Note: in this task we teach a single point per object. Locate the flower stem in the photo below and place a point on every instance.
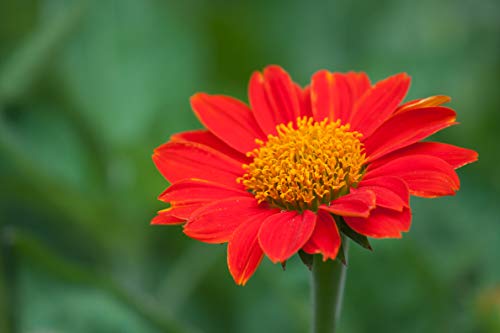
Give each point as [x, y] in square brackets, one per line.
[328, 281]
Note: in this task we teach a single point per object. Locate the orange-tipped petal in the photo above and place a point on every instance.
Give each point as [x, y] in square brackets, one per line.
[284, 233]
[229, 119]
[243, 251]
[273, 97]
[407, 128]
[216, 222]
[325, 238]
[455, 156]
[423, 103]
[206, 138]
[357, 203]
[183, 160]
[379, 103]
[426, 176]
[382, 223]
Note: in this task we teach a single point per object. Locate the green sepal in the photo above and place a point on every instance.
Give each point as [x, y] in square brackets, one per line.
[346, 230]
[341, 255]
[307, 259]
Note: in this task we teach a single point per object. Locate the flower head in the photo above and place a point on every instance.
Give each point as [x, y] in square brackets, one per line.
[285, 173]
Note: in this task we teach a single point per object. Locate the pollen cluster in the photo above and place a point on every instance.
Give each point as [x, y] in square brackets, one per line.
[306, 164]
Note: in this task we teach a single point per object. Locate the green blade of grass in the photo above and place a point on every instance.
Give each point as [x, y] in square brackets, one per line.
[38, 254]
[25, 64]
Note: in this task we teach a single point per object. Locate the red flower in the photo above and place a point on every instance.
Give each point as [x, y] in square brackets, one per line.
[283, 174]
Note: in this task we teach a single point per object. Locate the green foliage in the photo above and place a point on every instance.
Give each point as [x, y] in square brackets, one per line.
[89, 88]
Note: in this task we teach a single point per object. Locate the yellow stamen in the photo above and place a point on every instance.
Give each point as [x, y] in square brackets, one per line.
[305, 165]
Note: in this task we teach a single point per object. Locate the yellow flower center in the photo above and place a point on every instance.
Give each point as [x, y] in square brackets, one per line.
[305, 165]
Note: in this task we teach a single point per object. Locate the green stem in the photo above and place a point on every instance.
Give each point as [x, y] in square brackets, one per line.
[328, 281]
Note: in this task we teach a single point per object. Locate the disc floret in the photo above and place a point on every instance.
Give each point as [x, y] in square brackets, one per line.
[306, 164]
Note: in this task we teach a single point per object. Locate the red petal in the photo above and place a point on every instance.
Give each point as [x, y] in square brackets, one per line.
[284, 233]
[206, 138]
[426, 176]
[392, 184]
[406, 128]
[182, 160]
[273, 97]
[386, 198]
[243, 251]
[184, 211]
[357, 84]
[165, 217]
[382, 223]
[333, 94]
[423, 103]
[229, 119]
[453, 155]
[325, 238]
[188, 195]
[379, 103]
[322, 95]
[195, 190]
[305, 100]
[357, 203]
[216, 222]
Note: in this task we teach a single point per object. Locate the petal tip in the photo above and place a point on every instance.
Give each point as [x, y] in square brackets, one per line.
[274, 68]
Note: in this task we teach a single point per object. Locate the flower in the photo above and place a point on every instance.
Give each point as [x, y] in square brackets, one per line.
[285, 173]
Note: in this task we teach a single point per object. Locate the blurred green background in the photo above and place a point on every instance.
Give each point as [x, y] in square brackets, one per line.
[89, 88]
